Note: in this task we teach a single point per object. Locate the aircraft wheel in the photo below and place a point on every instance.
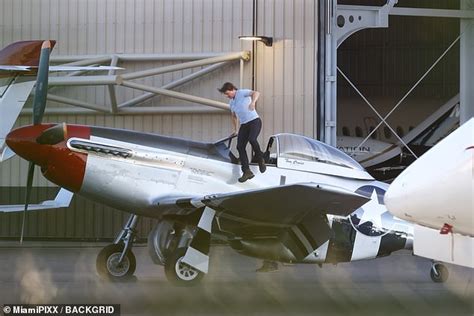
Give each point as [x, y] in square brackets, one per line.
[439, 273]
[107, 263]
[178, 272]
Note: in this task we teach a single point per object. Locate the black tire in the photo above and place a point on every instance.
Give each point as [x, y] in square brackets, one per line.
[439, 273]
[108, 270]
[181, 274]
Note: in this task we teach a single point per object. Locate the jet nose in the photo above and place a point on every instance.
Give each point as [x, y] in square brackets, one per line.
[23, 141]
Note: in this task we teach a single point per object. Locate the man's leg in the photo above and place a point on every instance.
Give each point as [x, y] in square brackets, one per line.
[242, 140]
[255, 128]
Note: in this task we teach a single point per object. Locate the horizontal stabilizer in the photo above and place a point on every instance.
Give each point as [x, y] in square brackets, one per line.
[63, 199]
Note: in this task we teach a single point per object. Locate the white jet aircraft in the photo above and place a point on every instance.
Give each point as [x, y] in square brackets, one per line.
[437, 193]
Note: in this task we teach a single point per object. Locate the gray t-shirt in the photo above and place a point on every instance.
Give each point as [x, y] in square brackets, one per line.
[240, 106]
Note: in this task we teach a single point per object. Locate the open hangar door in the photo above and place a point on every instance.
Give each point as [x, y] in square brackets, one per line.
[392, 60]
[384, 64]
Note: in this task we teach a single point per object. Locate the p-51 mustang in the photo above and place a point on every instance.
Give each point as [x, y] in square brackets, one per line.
[314, 204]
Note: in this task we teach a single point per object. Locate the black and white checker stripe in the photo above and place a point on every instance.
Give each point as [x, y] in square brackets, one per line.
[197, 255]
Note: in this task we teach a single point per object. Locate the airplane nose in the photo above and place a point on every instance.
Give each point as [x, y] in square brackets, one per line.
[23, 141]
[45, 145]
[437, 188]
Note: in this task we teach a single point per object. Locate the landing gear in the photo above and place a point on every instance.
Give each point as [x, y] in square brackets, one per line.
[439, 273]
[167, 244]
[178, 272]
[110, 267]
[117, 262]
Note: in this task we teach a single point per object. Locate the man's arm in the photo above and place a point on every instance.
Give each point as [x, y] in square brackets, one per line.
[235, 123]
[254, 95]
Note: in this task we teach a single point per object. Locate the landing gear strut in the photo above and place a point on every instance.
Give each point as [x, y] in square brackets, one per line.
[117, 262]
[439, 273]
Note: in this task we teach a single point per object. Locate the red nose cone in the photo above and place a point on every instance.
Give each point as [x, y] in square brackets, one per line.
[58, 164]
[23, 142]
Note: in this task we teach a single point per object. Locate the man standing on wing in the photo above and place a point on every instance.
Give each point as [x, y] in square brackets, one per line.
[242, 107]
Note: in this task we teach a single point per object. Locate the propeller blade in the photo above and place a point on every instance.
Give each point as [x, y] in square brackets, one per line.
[29, 184]
[39, 102]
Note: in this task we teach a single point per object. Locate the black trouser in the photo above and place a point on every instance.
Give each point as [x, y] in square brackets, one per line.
[248, 132]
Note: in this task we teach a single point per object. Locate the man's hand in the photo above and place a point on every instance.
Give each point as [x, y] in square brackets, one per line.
[252, 106]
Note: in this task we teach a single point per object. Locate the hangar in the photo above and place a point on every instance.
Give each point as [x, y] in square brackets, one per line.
[198, 44]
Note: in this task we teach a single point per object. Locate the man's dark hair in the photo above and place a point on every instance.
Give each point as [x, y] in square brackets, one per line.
[228, 86]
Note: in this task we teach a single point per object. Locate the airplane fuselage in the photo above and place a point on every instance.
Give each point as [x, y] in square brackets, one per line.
[141, 173]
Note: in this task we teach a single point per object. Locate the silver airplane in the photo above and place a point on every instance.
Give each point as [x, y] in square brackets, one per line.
[314, 204]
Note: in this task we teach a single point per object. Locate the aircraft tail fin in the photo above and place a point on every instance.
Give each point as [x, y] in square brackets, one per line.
[23, 53]
[13, 95]
[435, 127]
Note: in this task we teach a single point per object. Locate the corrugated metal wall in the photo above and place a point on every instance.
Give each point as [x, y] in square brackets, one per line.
[284, 75]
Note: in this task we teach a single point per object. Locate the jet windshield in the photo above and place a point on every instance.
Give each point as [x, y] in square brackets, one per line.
[304, 148]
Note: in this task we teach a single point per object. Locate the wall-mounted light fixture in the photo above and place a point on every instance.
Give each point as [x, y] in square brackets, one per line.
[268, 41]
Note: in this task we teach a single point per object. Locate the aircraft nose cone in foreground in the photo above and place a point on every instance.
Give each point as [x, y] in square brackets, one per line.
[23, 141]
[438, 188]
[45, 146]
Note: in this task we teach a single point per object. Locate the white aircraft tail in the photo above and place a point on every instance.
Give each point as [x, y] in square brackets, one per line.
[15, 88]
[62, 199]
[12, 99]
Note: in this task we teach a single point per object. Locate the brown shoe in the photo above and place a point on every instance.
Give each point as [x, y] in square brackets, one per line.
[246, 176]
[262, 166]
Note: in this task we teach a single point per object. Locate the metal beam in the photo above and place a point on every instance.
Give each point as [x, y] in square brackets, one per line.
[435, 13]
[438, 13]
[178, 109]
[87, 61]
[111, 88]
[351, 19]
[82, 104]
[466, 64]
[82, 81]
[173, 84]
[181, 66]
[133, 57]
[177, 95]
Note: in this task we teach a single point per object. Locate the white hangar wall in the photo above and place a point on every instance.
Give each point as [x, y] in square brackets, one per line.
[284, 73]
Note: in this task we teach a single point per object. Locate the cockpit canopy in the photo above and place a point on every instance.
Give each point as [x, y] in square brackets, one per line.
[299, 152]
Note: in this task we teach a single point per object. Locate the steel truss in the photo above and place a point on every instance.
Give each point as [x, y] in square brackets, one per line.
[210, 62]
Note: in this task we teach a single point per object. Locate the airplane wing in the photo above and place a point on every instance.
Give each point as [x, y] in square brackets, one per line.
[14, 68]
[63, 199]
[295, 214]
[286, 204]
[280, 205]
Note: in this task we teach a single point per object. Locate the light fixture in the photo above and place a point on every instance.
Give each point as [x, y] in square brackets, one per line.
[268, 41]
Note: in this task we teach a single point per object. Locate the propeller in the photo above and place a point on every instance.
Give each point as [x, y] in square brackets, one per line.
[39, 104]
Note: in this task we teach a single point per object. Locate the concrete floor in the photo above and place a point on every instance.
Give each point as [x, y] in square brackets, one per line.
[395, 285]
